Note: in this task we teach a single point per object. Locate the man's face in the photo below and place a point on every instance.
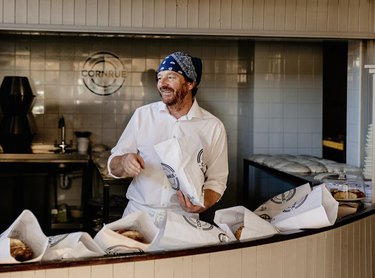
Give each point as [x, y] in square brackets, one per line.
[172, 87]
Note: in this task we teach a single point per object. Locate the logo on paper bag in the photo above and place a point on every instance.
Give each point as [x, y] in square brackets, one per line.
[284, 197]
[200, 161]
[196, 223]
[171, 176]
[54, 240]
[296, 205]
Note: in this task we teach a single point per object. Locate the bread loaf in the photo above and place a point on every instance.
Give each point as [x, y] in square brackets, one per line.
[351, 194]
[20, 251]
[238, 232]
[133, 234]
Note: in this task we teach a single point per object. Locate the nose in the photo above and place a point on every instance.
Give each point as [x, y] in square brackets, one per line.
[162, 81]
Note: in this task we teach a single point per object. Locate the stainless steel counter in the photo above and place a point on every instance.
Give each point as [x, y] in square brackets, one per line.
[44, 158]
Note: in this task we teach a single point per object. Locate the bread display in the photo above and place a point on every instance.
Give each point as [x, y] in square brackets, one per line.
[300, 164]
[238, 232]
[20, 251]
[133, 234]
[351, 194]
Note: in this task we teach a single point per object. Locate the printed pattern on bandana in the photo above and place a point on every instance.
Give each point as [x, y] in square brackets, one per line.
[184, 65]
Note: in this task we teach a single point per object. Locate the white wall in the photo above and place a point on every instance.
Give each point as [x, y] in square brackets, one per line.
[355, 109]
[297, 18]
[288, 98]
[53, 65]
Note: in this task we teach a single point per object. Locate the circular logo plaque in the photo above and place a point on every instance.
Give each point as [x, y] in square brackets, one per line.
[103, 73]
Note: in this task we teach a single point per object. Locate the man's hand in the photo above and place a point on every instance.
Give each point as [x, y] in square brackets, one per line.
[210, 198]
[127, 165]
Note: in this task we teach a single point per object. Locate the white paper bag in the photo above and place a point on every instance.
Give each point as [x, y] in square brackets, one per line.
[181, 159]
[182, 231]
[113, 243]
[27, 229]
[316, 210]
[278, 203]
[72, 245]
[230, 219]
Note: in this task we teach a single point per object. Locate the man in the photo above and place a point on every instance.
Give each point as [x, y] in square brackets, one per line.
[176, 116]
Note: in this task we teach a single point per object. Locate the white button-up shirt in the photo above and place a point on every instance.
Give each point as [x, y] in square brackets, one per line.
[152, 124]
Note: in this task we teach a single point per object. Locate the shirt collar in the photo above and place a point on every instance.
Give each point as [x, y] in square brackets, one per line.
[194, 112]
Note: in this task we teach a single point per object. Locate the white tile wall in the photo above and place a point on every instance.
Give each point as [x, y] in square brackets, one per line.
[53, 65]
[267, 93]
[287, 98]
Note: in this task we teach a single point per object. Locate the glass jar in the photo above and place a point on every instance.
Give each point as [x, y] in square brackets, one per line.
[346, 186]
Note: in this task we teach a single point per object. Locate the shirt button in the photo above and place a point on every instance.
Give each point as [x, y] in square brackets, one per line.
[165, 187]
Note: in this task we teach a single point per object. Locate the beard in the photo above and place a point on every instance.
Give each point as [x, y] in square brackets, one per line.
[173, 97]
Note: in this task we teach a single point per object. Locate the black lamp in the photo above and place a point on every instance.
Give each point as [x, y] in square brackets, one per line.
[16, 128]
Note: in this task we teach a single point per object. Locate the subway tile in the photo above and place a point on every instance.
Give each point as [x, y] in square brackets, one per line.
[276, 110]
[261, 110]
[261, 125]
[290, 140]
[36, 78]
[276, 140]
[307, 110]
[261, 140]
[276, 125]
[305, 125]
[290, 125]
[37, 63]
[304, 140]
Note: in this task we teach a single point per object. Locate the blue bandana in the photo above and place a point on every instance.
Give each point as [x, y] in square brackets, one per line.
[184, 64]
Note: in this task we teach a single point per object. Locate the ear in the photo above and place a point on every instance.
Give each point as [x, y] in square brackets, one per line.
[191, 85]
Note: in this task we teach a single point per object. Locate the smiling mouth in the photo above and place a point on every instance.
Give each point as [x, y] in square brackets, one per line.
[166, 92]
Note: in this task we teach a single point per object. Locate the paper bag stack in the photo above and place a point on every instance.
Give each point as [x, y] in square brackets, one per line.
[291, 211]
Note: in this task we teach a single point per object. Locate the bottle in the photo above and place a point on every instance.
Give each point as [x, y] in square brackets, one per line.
[54, 213]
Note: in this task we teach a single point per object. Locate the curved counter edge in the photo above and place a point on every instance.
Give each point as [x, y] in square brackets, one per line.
[365, 216]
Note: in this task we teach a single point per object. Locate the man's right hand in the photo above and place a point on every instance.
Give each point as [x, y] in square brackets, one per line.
[127, 165]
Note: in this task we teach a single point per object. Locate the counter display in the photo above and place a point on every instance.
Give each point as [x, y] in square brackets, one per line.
[321, 252]
[316, 252]
[267, 175]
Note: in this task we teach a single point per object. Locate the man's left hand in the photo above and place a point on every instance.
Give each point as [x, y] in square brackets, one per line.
[187, 205]
[210, 198]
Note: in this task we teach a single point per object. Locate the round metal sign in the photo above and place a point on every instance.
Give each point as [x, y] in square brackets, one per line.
[103, 73]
